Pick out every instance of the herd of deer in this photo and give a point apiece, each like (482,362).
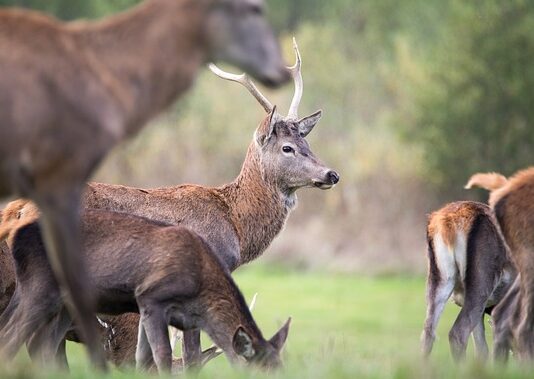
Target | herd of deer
(147,259)
(141,259)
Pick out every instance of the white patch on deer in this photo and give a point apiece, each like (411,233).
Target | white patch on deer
(444,259)
(460,253)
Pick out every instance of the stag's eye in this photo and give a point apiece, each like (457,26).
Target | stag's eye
(287,149)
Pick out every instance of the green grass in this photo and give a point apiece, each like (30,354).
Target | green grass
(344,326)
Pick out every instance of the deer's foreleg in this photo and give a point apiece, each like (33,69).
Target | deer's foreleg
(157,333)
(191,349)
(61,231)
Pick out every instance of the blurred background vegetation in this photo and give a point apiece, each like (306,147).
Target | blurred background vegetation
(417,95)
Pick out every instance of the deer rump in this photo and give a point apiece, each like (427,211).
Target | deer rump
(467,259)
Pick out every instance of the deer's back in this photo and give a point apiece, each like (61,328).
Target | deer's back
(198,208)
(514,208)
(50,86)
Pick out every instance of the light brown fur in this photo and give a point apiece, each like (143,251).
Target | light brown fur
(513,204)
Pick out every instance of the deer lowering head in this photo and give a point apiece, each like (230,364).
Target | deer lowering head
(284,154)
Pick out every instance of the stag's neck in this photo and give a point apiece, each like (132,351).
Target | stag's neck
(149,54)
(259,207)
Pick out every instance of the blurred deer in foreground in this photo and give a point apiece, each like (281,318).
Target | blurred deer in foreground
(69,92)
(467,257)
(166,273)
(512,201)
(238,220)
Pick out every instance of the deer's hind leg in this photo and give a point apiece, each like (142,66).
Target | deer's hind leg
(47,343)
(440,284)
(483,252)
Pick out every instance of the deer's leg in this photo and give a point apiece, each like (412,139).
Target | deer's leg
(143,353)
(479,336)
(12,306)
(24,321)
(157,333)
(440,284)
(61,229)
(46,343)
(503,316)
(524,332)
(191,349)
(480,276)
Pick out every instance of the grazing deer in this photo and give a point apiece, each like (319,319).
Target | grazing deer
(71,91)
(467,258)
(240,219)
(166,273)
(512,201)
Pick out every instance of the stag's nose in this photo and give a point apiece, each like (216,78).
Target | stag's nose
(332,176)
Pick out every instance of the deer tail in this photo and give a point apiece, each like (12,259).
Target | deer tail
(490,181)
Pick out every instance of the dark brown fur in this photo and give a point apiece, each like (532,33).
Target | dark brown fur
(166,273)
(71,91)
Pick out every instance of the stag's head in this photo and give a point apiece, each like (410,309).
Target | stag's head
(262,354)
(239,34)
(285,155)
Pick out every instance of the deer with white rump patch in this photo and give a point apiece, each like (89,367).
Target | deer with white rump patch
(467,258)
(238,220)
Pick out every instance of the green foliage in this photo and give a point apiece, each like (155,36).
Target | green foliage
(472,107)
(72,9)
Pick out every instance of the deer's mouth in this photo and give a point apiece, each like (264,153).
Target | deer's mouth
(322,185)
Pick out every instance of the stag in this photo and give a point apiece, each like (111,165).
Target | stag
(69,92)
(166,273)
(238,220)
(467,258)
(512,201)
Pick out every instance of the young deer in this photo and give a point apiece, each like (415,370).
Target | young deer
(513,203)
(166,273)
(467,258)
(240,219)
(71,91)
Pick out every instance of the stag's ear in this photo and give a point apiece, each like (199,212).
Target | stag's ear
(266,128)
(279,339)
(307,123)
(242,344)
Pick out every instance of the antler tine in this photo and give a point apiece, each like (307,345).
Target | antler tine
(244,80)
(299,84)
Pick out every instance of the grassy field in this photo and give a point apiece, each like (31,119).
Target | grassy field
(344,326)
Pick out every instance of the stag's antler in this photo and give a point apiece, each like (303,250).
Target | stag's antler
(299,84)
(244,80)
